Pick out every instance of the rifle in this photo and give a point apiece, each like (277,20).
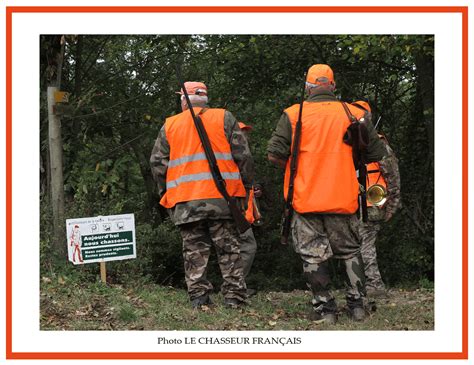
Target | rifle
(288,213)
(357,136)
(239,218)
(378,121)
(362,177)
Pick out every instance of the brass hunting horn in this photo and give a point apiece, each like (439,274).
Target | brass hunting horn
(377,195)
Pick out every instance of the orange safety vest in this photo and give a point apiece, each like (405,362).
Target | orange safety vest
(188,176)
(326,180)
(374,176)
(249,212)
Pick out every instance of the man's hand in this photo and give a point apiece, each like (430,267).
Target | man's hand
(257,191)
(277,161)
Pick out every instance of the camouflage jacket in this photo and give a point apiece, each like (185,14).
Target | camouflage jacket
(196,210)
(391,174)
(280,142)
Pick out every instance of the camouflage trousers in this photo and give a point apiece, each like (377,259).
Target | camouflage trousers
(198,238)
(248,248)
(368,234)
(318,237)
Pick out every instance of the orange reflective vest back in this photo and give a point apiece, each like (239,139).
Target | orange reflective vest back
(374,176)
(188,176)
(326,180)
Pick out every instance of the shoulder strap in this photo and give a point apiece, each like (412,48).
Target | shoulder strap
(351,116)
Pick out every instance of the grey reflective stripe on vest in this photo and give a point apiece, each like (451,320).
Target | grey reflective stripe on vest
(200,177)
(198,157)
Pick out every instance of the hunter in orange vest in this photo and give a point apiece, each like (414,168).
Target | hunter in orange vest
(384,173)
(374,175)
(187,189)
(326,190)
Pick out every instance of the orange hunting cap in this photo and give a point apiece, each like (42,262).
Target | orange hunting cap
(244,126)
(320,73)
(362,104)
(194,88)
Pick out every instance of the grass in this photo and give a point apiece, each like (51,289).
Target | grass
(69,304)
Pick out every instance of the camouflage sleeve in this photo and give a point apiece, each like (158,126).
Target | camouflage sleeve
(240,149)
(279,144)
(159,159)
(391,174)
(376,149)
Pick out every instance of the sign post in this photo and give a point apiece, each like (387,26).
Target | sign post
(103,272)
(101,239)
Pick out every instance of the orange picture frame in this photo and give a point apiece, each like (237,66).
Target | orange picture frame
(236,355)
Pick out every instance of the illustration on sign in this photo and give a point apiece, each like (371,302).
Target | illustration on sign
(75,243)
(103,238)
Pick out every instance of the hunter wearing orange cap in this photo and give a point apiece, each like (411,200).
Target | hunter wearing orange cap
(320,75)
(188,190)
(326,189)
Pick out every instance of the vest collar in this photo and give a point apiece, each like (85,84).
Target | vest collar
(322,95)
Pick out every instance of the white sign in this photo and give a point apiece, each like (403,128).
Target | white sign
(102,238)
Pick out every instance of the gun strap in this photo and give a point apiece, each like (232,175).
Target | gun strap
(242,224)
(211,157)
(351,116)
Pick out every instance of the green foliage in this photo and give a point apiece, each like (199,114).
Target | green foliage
(166,254)
(127,314)
(123,88)
(425,283)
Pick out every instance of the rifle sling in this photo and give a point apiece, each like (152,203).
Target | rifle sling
(211,158)
(239,218)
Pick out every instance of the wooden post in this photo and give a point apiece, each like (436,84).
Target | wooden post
(56,166)
(103,272)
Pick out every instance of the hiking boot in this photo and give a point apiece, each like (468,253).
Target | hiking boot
(318,317)
(233,303)
(198,302)
(251,292)
(357,314)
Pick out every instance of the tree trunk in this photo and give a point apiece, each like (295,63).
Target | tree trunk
(57,183)
(56,147)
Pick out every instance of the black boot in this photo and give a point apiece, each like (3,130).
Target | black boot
(233,303)
(324,312)
(357,314)
(200,301)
